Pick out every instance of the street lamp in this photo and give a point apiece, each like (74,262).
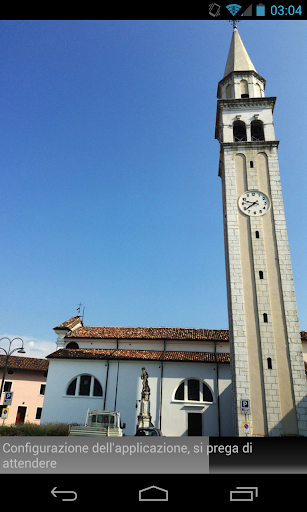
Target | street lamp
(8,353)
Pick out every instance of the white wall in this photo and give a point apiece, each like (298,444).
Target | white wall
(127,377)
(170,345)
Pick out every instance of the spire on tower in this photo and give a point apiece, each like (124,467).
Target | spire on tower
(238,58)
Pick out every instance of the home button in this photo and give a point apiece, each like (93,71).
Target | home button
(153,493)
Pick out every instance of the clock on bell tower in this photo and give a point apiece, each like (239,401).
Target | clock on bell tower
(265,344)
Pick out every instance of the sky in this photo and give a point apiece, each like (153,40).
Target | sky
(109,187)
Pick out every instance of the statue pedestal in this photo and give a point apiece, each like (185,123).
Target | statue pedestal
(144,418)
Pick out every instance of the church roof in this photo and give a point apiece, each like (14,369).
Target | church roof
(148,355)
(149,333)
(70,324)
(238,58)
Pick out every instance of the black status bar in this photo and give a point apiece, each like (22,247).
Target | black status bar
(256,11)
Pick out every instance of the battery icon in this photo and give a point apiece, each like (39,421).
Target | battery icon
(260,10)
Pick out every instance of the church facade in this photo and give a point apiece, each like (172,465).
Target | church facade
(249,380)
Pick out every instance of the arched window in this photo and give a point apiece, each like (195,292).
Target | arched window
(179,395)
(244,89)
(72,344)
(258,91)
(193,390)
(228,91)
(257,132)
(239,131)
(84,385)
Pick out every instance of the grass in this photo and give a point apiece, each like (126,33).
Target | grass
(32,429)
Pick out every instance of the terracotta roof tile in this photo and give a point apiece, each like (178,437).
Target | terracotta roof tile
(25,363)
(149,355)
(149,333)
(69,324)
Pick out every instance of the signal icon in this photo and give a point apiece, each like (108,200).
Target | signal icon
(233,8)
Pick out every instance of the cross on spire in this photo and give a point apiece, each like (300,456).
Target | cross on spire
(234,23)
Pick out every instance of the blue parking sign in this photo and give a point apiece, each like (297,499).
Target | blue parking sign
(245,406)
(8,398)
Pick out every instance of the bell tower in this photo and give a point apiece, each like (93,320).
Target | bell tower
(266,352)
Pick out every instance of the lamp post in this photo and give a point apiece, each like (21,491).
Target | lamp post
(8,353)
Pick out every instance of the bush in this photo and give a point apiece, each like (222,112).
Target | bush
(31,429)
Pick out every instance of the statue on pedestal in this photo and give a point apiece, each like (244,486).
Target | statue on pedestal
(144,418)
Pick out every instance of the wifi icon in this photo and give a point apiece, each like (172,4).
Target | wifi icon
(233,8)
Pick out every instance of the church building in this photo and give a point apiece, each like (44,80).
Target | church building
(248,380)
(101,368)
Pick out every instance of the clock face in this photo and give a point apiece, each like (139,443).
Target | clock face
(253,203)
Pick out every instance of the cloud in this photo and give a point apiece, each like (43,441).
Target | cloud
(34,347)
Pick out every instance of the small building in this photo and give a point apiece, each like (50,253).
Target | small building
(26,379)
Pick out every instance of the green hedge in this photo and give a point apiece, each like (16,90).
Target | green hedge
(31,429)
